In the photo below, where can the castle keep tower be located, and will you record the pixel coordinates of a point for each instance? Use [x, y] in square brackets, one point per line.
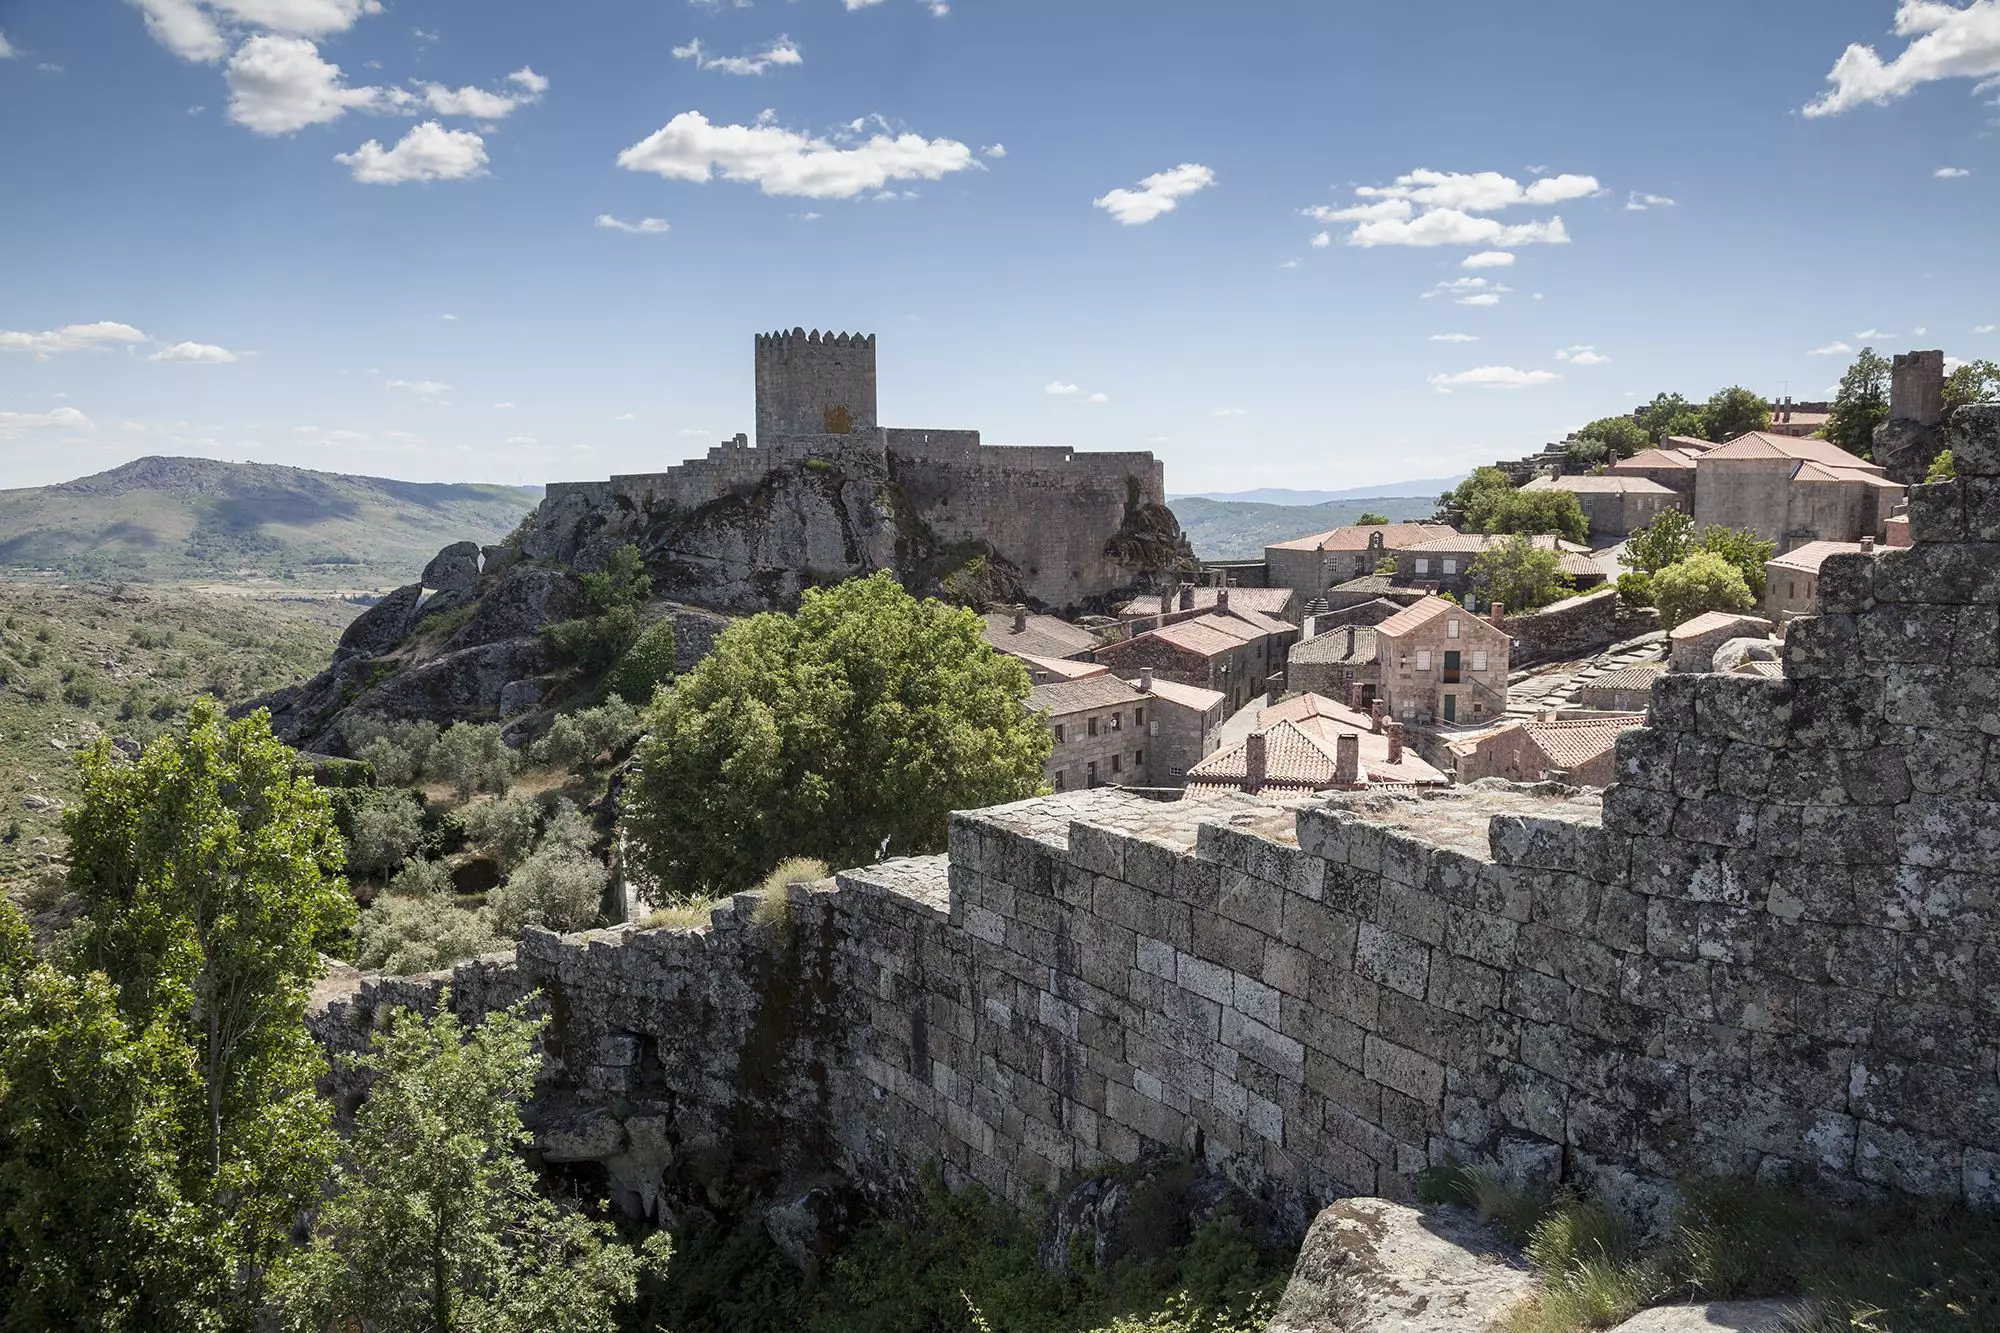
[814, 383]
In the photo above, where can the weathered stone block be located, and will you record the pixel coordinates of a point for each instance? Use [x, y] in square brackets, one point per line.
[1483, 936]
[1880, 776]
[1416, 1076]
[1916, 1163]
[1843, 713]
[1251, 901]
[1950, 834]
[1954, 573]
[1846, 583]
[1828, 644]
[1393, 960]
[1909, 632]
[1974, 438]
[1410, 911]
[1752, 709]
[1638, 811]
[1672, 707]
[1645, 758]
[1938, 512]
[1947, 698]
[1724, 821]
[1236, 946]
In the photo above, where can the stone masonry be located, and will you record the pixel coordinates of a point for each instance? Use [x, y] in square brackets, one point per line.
[1771, 948]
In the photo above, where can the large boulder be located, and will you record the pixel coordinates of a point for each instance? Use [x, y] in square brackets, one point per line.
[461, 686]
[454, 569]
[382, 626]
[520, 603]
[1714, 1317]
[1373, 1266]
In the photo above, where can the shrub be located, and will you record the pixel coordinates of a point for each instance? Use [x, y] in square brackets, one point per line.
[646, 665]
[1943, 468]
[1702, 582]
[80, 689]
[592, 643]
[400, 935]
[570, 828]
[575, 739]
[558, 887]
[400, 751]
[794, 870]
[1519, 574]
[473, 758]
[503, 828]
[386, 829]
[1635, 589]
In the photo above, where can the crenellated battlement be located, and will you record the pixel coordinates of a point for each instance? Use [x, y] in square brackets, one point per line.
[790, 338]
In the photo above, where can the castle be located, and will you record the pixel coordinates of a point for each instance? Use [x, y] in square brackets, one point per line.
[827, 493]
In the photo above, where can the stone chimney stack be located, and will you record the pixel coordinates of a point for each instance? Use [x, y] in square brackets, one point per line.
[1395, 742]
[1020, 619]
[1867, 546]
[1350, 643]
[1222, 601]
[1145, 680]
[1375, 717]
[1166, 600]
[1187, 597]
[1346, 759]
[1253, 761]
[1496, 613]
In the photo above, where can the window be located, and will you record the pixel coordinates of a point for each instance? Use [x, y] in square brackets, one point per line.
[1138, 758]
[1058, 780]
[1423, 564]
[1114, 763]
[1450, 626]
[1091, 725]
[1423, 659]
[1061, 733]
[1117, 721]
[1479, 659]
[1090, 775]
[1139, 717]
[1450, 566]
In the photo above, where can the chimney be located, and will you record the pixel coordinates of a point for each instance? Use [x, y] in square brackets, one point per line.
[1020, 619]
[1253, 761]
[1395, 742]
[1867, 546]
[1350, 642]
[1145, 680]
[1375, 717]
[1222, 601]
[1497, 614]
[1187, 597]
[1346, 759]
[1166, 600]
[1354, 695]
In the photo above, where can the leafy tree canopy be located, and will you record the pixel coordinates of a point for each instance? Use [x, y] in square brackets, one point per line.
[1702, 582]
[1860, 405]
[1519, 575]
[1734, 411]
[850, 729]
[1672, 537]
[1467, 493]
[1671, 414]
[1621, 436]
[1530, 512]
[1371, 520]
[1973, 382]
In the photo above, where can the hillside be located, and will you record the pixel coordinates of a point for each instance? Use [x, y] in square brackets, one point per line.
[186, 519]
[1233, 530]
[1278, 495]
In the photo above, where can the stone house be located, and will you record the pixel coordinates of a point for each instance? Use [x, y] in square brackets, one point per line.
[1577, 750]
[1339, 663]
[1670, 467]
[1020, 633]
[1625, 690]
[1326, 558]
[1615, 505]
[1371, 588]
[1236, 653]
[1799, 419]
[1171, 604]
[1439, 663]
[1181, 726]
[1444, 564]
[1692, 643]
[1101, 727]
[1792, 491]
[1310, 744]
[1791, 580]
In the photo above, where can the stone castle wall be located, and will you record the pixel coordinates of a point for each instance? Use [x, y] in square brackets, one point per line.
[814, 384]
[1771, 948]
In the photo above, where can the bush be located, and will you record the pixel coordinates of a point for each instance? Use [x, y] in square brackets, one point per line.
[473, 758]
[592, 643]
[575, 739]
[503, 828]
[646, 665]
[1943, 468]
[425, 933]
[387, 828]
[1519, 574]
[1635, 589]
[558, 888]
[400, 751]
[1702, 582]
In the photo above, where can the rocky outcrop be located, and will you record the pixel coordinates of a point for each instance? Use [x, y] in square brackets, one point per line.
[1714, 1317]
[1372, 1266]
[382, 626]
[454, 569]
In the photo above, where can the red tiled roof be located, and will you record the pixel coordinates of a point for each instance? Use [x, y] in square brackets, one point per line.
[1808, 558]
[1043, 636]
[1574, 742]
[1061, 698]
[1606, 484]
[1354, 538]
[1186, 696]
[1653, 458]
[1763, 444]
[1270, 601]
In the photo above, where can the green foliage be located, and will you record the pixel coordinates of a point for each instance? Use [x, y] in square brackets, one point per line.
[622, 582]
[1635, 589]
[400, 752]
[592, 643]
[646, 665]
[1860, 405]
[387, 828]
[1519, 574]
[417, 928]
[1671, 538]
[1606, 440]
[1973, 382]
[1700, 583]
[210, 868]
[472, 757]
[1943, 468]
[436, 1224]
[559, 887]
[1734, 411]
[503, 828]
[1371, 520]
[1470, 493]
[575, 740]
[1531, 512]
[1744, 550]
[846, 732]
[1671, 414]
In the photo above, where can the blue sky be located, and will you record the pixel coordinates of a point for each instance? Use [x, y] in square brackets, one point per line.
[512, 241]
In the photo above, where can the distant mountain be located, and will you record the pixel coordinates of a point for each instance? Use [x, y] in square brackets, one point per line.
[169, 519]
[1234, 530]
[1434, 487]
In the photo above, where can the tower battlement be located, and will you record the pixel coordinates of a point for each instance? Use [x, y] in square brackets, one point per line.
[814, 383]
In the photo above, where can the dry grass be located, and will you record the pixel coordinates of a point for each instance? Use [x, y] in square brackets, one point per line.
[690, 915]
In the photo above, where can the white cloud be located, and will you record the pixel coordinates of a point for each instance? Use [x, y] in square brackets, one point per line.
[1469, 291]
[421, 388]
[525, 77]
[853, 5]
[1982, 328]
[469, 101]
[201, 353]
[1323, 240]
[781, 52]
[1831, 349]
[1158, 193]
[1060, 390]
[1289, 263]
[1230, 412]
[1917, 331]
[1098, 398]
[1480, 191]
[1949, 42]
[692, 430]
[1427, 207]
[643, 227]
[6, 51]
[183, 28]
[626, 416]
[1488, 259]
[62, 416]
[503, 407]
[994, 150]
[522, 439]
[1951, 173]
[1492, 377]
[1450, 226]
[1390, 209]
[430, 152]
[279, 84]
[1581, 355]
[1635, 202]
[785, 162]
[1454, 337]
[449, 319]
[1866, 334]
[307, 18]
[69, 338]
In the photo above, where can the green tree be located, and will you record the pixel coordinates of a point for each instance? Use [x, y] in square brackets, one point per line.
[1702, 582]
[1532, 512]
[849, 730]
[1371, 520]
[1669, 538]
[1734, 411]
[436, 1225]
[1860, 405]
[646, 665]
[1973, 382]
[1943, 468]
[596, 640]
[1519, 575]
[1467, 495]
[211, 871]
[473, 757]
[1744, 550]
[1671, 414]
[1621, 436]
[387, 828]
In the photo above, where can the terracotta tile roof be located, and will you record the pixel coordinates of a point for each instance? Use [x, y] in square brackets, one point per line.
[1184, 696]
[1808, 558]
[1271, 601]
[1606, 484]
[1353, 538]
[1574, 742]
[1045, 636]
[1475, 542]
[1710, 621]
[1061, 698]
[1688, 442]
[1335, 646]
[1193, 636]
[1821, 472]
[1301, 707]
[1770, 670]
[1763, 444]
[1638, 676]
[1302, 756]
[1259, 621]
[1653, 458]
[1063, 666]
